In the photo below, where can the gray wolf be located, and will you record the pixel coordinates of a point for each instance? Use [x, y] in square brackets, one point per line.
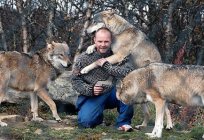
[23, 72]
[161, 83]
[128, 40]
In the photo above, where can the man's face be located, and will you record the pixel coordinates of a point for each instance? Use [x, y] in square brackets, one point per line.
[102, 41]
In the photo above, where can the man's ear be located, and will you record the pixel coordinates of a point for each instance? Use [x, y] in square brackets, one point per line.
[94, 39]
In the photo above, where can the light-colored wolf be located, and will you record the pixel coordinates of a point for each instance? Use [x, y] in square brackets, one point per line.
[22, 72]
[127, 40]
[160, 83]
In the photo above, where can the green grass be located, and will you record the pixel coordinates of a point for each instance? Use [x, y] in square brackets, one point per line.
[70, 131]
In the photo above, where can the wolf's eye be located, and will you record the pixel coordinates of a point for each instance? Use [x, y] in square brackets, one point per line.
[60, 55]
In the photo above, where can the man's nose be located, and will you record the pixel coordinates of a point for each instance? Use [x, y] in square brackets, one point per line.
[103, 43]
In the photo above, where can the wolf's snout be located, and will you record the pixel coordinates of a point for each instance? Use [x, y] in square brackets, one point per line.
[67, 64]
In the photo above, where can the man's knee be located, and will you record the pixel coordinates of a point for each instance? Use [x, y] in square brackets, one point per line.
[89, 121]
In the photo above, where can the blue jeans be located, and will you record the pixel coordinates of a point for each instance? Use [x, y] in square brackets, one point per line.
[91, 109]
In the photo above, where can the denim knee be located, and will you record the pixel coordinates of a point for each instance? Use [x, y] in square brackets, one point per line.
[88, 121]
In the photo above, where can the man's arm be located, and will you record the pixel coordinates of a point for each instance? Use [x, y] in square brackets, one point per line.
[77, 81]
[119, 70]
[80, 85]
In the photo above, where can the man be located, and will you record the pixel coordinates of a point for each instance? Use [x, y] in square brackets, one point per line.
[97, 88]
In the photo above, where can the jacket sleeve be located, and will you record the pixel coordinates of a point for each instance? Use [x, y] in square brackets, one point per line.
[78, 83]
[120, 70]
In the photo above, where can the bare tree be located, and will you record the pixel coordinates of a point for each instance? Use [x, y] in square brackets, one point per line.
[3, 39]
[50, 27]
[169, 34]
[19, 5]
[86, 24]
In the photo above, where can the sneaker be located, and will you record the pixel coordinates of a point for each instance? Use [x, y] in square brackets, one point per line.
[125, 128]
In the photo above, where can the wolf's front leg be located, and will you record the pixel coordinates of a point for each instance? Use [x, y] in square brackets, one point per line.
[89, 68]
[43, 94]
[34, 107]
[90, 49]
[157, 130]
[113, 59]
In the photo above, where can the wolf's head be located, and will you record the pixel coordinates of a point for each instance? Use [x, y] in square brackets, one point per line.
[108, 19]
[58, 54]
[125, 92]
[129, 91]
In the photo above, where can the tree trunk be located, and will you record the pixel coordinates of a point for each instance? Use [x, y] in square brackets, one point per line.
[86, 24]
[168, 49]
[200, 56]
[3, 39]
[50, 33]
[19, 5]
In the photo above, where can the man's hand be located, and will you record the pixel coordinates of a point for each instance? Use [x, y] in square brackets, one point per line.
[98, 89]
[101, 61]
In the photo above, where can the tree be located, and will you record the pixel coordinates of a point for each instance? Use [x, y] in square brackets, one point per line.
[20, 7]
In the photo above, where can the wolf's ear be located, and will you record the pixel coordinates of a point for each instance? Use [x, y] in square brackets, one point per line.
[64, 42]
[54, 43]
[49, 46]
[111, 11]
[109, 14]
[65, 46]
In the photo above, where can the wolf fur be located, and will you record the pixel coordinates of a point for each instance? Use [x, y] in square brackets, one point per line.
[127, 40]
[22, 72]
[161, 83]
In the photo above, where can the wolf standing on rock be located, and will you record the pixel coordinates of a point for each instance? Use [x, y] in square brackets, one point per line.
[128, 40]
[22, 72]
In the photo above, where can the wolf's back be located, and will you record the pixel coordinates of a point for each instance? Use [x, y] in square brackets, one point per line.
[14, 60]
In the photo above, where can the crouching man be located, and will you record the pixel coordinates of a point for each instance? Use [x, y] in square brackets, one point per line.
[97, 88]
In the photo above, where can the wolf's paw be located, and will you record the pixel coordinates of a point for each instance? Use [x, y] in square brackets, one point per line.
[169, 127]
[90, 49]
[58, 119]
[3, 124]
[37, 119]
[84, 70]
[152, 135]
[138, 127]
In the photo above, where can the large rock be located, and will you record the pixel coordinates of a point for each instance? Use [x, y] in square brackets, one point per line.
[60, 90]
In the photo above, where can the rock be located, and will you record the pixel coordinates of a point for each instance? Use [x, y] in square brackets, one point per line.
[11, 118]
[61, 89]
[38, 131]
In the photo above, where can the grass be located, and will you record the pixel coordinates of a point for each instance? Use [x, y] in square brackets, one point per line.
[68, 129]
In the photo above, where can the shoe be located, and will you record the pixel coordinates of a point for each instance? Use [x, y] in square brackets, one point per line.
[125, 128]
